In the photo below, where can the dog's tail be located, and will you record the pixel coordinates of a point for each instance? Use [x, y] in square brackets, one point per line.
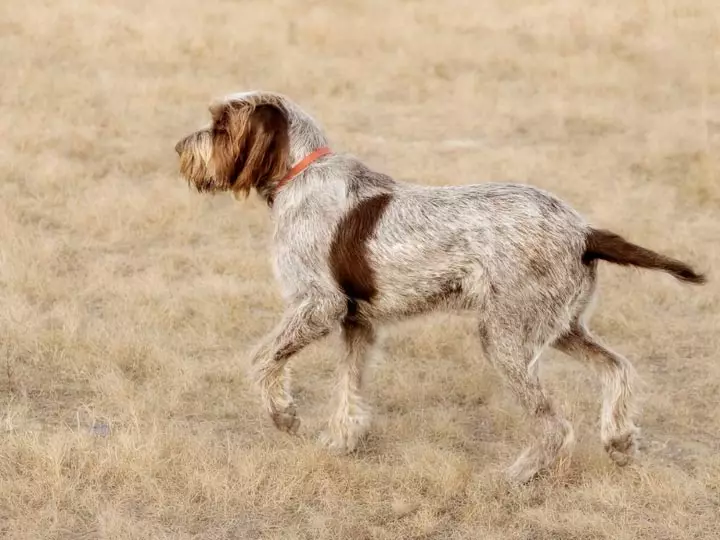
[610, 247]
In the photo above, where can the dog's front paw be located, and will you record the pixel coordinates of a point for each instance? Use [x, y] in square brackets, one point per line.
[287, 419]
[344, 437]
[337, 444]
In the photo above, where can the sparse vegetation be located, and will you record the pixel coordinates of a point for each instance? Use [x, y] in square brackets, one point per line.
[128, 303]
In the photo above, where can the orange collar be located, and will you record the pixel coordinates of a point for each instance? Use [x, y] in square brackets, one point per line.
[302, 165]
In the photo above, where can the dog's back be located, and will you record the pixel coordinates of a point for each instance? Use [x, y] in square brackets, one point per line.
[455, 247]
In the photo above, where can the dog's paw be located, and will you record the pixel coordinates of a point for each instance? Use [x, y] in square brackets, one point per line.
[623, 448]
[525, 469]
[346, 437]
[287, 420]
[337, 445]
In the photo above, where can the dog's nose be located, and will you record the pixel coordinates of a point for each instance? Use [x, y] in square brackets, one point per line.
[179, 146]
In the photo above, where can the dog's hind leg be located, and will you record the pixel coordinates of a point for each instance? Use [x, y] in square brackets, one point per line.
[515, 357]
[302, 323]
[351, 418]
[618, 431]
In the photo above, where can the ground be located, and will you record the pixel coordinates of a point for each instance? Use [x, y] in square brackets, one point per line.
[128, 303]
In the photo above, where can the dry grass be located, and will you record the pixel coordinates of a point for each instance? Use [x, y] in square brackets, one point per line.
[128, 302]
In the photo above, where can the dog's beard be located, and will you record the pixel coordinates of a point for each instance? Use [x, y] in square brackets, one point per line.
[195, 163]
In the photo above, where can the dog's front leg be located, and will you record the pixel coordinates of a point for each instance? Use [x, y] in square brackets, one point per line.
[350, 421]
[302, 323]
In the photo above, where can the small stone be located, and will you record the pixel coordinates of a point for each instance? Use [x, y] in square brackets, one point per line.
[101, 429]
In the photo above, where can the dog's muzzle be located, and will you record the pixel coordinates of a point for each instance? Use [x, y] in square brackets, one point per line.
[179, 146]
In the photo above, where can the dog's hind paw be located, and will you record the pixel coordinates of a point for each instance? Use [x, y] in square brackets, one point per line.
[623, 448]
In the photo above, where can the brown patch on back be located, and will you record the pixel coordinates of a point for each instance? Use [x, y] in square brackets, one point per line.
[348, 251]
[250, 147]
[610, 247]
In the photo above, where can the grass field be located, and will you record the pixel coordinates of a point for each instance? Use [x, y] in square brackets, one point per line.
[128, 303]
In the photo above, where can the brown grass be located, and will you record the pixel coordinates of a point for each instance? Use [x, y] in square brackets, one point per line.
[127, 302]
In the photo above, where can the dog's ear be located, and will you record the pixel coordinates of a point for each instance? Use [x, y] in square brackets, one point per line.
[250, 146]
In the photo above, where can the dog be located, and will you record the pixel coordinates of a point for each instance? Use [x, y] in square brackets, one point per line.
[354, 249]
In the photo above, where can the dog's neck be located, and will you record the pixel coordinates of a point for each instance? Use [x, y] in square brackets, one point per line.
[306, 135]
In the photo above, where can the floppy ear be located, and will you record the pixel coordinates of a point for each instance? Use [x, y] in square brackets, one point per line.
[250, 146]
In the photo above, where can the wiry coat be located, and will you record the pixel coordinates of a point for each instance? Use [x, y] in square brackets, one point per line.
[354, 248]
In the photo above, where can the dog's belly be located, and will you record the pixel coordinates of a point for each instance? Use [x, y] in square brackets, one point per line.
[414, 295]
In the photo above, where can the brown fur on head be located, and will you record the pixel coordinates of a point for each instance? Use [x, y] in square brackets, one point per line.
[247, 146]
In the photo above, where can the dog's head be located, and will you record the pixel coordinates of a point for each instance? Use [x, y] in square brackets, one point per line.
[247, 145]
